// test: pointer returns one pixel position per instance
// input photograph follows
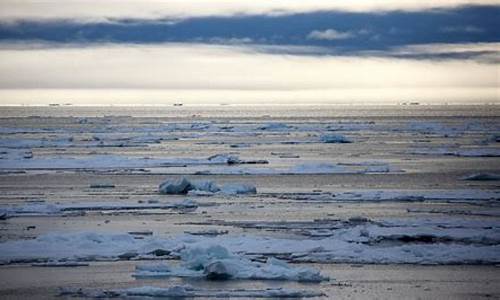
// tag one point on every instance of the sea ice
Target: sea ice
(238, 188)
(217, 263)
(334, 138)
(363, 243)
(175, 186)
(318, 168)
(275, 127)
(482, 177)
(224, 159)
(187, 291)
(42, 209)
(203, 187)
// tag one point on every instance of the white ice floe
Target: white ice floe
(416, 195)
(275, 127)
(63, 264)
(217, 263)
(187, 291)
(175, 186)
(375, 233)
(225, 159)
(114, 161)
(238, 188)
(47, 209)
(318, 168)
(313, 167)
(396, 195)
(461, 152)
(416, 241)
(378, 169)
(334, 138)
(451, 130)
(203, 187)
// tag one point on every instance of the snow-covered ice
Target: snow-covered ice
(184, 186)
(42, 209)
(217, 263)
(414, 242)
(187, 291)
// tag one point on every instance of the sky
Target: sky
(250, 52)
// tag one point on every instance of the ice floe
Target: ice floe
(461, 152)
(482, 177)
(47, 209)
(334, 138)
(116, 161)
(305, 168)
(217, 263)
(238, 188)
(318, 168)
(276, 127)
(187, 291)
(455, 195)
(413, 241)
(194, 187)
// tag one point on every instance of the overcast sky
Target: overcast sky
(208, 52)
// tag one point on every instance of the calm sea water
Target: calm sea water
(254, 111)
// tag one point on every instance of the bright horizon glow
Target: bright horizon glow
(133, 97)
(153, 74)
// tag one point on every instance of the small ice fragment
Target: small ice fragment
(203, 187)
(378, 169)
(175, 186)
(127, 255)
(208, 232)
(145, 232)
(238, 188)
(159, 252)
(217, 270)
(186, 203)
(334, 138)
(275, 127)
(61, 264)
(102, 186)
(224, 159)
(482, 177)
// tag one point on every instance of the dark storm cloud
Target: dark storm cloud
(334, 32)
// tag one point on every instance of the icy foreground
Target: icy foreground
(217, 263)
(187, 291)
(357, 241)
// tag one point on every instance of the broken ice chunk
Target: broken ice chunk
(482, 177)
(217, 263)
(334, 138)
(175, 186)
(184, 186)
(238, 188)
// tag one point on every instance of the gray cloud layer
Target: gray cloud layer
(96, 10)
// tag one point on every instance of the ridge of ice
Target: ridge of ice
(194, 187)
(217, 262)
